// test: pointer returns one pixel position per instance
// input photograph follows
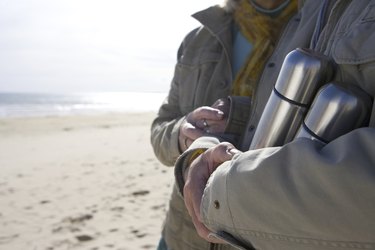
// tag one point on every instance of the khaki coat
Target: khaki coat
(303, 195)
(202, 75)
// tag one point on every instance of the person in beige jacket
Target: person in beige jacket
(304, 194)
(222, 57)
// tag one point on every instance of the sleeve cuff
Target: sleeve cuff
(174, 137)
(238, 114)
(182, 163)
(197, 147)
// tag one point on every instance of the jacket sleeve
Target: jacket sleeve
(203, 143)
(165, 127)
(320, 196)
(238, 114)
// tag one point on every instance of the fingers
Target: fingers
(196, 180)
(204, 124)
(193, 191)
(210, 160)
(205, 112)
(221, 153)
(209, 119)
(201, 229)
(218, 103)
(185, 142)
(214, 239)
(190, 131)
(222, 104)
(213, 126)
(198, 173)
(202, 119)
(187, 134)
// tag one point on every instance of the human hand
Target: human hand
(196, 179)
(197, 123)
(218, 126)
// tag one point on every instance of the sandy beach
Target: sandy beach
(81, 182)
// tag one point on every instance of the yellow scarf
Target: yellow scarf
(262, 31)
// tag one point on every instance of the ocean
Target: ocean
(46, 104)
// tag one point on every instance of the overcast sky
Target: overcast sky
(92, 45)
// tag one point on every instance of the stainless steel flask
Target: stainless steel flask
(303, 72)
(335, 111)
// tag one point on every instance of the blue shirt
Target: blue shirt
(241, 50)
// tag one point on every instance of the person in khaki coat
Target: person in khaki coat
(211, 66)
(304, 194)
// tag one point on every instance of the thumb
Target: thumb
(224, 152)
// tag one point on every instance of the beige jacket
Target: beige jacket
(202, 75)
(303, 195)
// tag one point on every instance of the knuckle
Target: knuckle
(222, 146)
(186, 189)
(199, 110)
(202, 234)
(183, 129)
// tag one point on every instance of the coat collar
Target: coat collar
(218, 21)
(215, 19)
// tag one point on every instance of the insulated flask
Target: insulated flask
(303, 72)
(335, 111)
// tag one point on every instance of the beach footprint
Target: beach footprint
(148, 247)
(141, 193)
(138, 233)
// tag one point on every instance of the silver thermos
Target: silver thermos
(335, 111)
(303, 72)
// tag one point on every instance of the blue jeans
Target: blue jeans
(162, 245)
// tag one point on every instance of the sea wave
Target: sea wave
(43, 104)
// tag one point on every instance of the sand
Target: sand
(81, 182)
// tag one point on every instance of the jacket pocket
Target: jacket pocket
(356, 44)
(195, 75)
(354, 51)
